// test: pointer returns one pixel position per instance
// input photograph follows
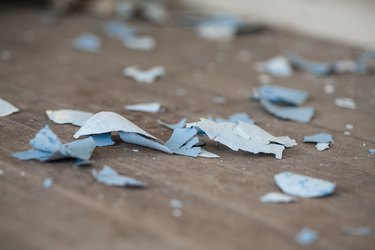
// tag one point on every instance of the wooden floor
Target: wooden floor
(221, 196)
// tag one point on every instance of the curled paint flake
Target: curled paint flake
(110, 177)
(7, 108)
(68, 116)
(144, 76)
(151, 107)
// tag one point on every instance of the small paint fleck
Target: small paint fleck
(47, 183)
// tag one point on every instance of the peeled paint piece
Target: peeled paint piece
(143, 43)
(87, 42)
(345, 103)
(179, 124)
(217, 27)
(144, 76)
(279, 94)
(69, 116)
(47, 183)
(275, 197)
(137, 139)
(244, 136)
(151, 107)
(7, 108)
(303, 186)
(371, 151)
(46, 146)
(110, 177)
(318, 138)
(183, 141)
(277, 66)
(313, 67)
(103, 140)
(105, 122)
(119, 30)
(306, 236)
(321, 146)
(297, 114)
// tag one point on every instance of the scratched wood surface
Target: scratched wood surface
(221, 196)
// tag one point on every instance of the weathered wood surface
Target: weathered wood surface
(221, 196)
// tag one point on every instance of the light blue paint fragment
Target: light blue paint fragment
(102, 140)
(314, 67)
(119, 30)
(47, 183)
(46, 146)
(297, 114)
(371, 151)
(87, 42)
(279, 94)
(303, 186)
(110, 177)
(182, 142)
(319, 138)
(306, 236)
(278, 67)
(179, 124)
(137, 139)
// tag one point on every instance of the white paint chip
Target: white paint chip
(320, 146)
(345, 103)
(7, 108)
(151, 107)
(69, 116)
(144, 76)
(276, 197)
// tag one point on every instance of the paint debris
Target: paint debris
(276, 197)
(7, 108)
(329, 89)
(371, 151)
(88, 43)
(110, 177)
(105, 122)
(183, 141)
(103, 140)
(179, 124)
(69, 116)
(47, 183)
(345, 103)
(357, 231)
(177, 204)
(244, 136)
(320, 137)
(283, 95)
(277, 66)
(306, 237)
(140, 43)
(321, 146)
(297, 114)
(271, 96)
(144, 76)
(151, 107)
(313, 67)
(46, 146)
(303, 186)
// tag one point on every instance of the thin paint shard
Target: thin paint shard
(313, 67)
(277, 66)
(306, 237)
(7, 108)
(319, 138)
(303, 186)
(345, 103)
(144, 76)
(110, 177)
(68, 116)
(321, 146)
(103, 140)
(275, 197)
(137, 139)
(46, 146)
(105, 122)
(285, 95)
(183, 142)
(297, 114)
(244, 136)
(357, 231)
(151, 107)
(179, 124)
(205, 154)
(47, 183)
(87, 42)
